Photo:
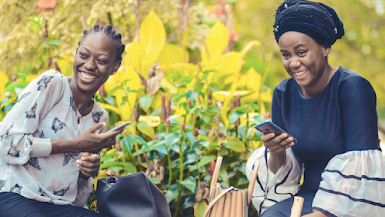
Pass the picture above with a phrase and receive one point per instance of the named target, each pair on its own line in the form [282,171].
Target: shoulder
[48,78]
[352,80]
[352,87]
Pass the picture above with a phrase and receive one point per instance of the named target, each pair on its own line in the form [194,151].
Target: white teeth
[300,73]
[85,75]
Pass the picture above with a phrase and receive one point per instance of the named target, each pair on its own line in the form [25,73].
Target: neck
[323,81]
[83,100]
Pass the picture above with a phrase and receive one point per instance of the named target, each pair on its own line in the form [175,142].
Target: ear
[116,67]
[326,50]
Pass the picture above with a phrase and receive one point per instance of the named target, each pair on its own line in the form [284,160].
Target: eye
[301,53]
[82,55]
[101,61]
[285,55]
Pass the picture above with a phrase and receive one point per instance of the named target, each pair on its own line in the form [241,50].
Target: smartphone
[269,127]
[120,126]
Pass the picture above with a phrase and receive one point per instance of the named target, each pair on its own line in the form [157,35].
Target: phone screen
[120,126]
[269,127]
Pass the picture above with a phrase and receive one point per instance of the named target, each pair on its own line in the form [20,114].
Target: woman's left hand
[89,165]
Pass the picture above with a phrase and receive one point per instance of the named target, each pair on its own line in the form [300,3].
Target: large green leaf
[171,194]
[234,144]
[205,160]
[111,164]
[109,156]
[189,183]
[131,168]
[145,102]
[140,140]
[190,137]
[146,129]
[171,139]
[235,115]
[225,176]
[127,143]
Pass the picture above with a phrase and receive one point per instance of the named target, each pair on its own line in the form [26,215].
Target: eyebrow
[299,46]
[98,54]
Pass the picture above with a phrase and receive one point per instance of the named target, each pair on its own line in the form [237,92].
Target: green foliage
[175,140]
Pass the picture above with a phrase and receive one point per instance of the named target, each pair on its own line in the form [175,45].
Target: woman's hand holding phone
[90,141]
[277,144]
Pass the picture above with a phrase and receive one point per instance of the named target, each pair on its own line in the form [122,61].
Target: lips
[300,73]
[87,75]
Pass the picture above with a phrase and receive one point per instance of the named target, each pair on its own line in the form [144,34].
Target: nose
[294,63]
[90,64]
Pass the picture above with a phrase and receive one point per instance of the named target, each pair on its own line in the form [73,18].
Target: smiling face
[95,61]
[304,60]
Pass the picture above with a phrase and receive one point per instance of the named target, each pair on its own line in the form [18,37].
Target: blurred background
[187,40]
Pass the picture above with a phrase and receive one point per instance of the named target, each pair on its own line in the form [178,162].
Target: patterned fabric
[353,183]
[272,188]
[44,111]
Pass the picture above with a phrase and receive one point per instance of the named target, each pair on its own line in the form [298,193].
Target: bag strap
[252,181]
[214,179]
[212,203]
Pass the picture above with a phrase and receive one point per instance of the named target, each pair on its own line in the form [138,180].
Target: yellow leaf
[110,107]
[171,54]
[153,36]
[153,121]
[253,80]
[249,46]
[135,55]
[185,68]
[222,95]
[146,129]
[134,83]
[3,80]
[216,41]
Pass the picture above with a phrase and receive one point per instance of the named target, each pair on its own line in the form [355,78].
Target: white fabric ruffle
[353,184]
[84,190]
[272,188]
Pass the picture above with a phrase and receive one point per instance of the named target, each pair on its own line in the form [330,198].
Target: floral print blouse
[44,111]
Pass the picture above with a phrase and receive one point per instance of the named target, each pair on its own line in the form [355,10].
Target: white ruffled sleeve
[272,188]
[84,189]
[353,184]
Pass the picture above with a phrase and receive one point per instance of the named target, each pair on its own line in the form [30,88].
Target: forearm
[65,146]
[276,161]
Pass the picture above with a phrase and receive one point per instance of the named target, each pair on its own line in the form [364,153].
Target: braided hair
[114,36]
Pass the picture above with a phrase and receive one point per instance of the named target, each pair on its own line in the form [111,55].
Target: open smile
[87,75]
[301,73]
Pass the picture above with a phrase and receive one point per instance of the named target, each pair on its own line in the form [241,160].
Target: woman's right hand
[277,144]
[89,141]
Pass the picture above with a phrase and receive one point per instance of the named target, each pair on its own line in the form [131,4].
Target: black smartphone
[269,127]
[120,126]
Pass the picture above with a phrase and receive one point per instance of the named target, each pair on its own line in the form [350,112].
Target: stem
[247,128]
[170,167]
[124,162]
[180,176]
[128,101]
[199,176]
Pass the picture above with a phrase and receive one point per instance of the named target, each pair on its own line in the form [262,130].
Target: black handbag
[133,195]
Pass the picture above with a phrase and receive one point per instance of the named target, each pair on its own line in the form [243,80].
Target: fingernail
[77,161]
[104,123]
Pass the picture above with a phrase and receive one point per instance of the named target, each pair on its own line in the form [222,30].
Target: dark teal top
[341,118]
